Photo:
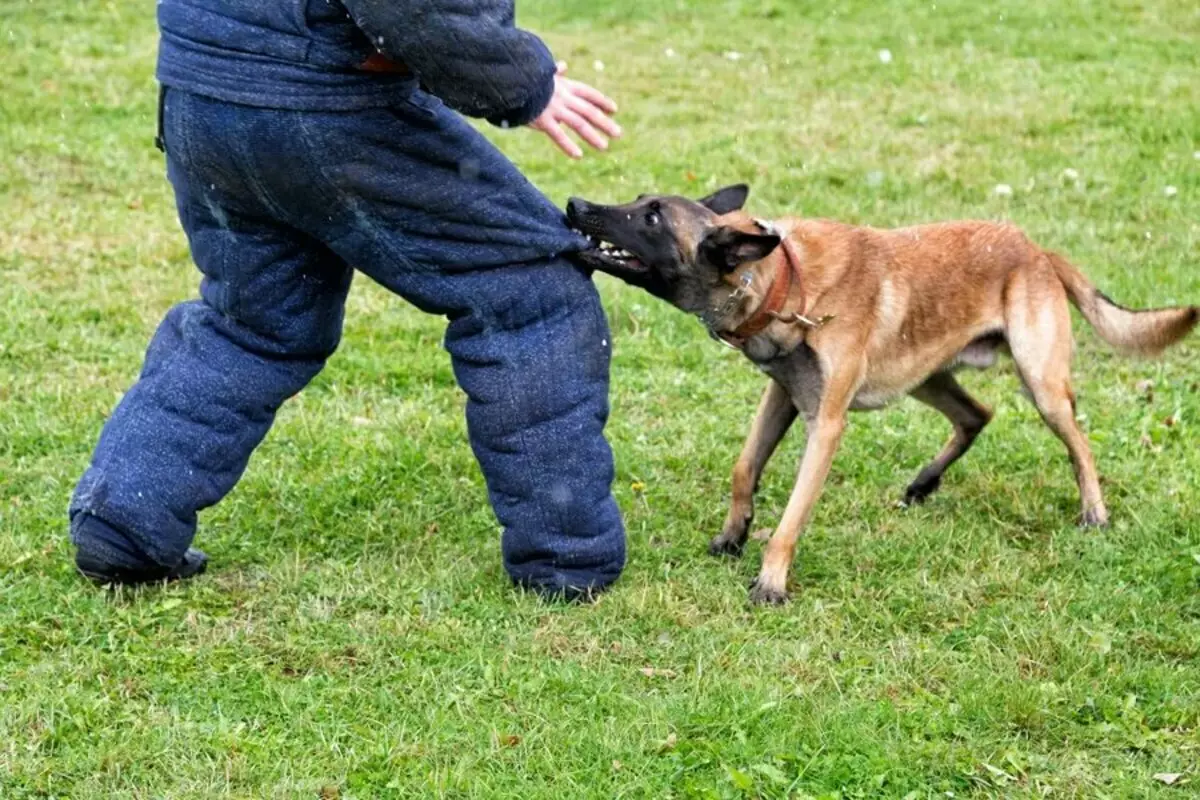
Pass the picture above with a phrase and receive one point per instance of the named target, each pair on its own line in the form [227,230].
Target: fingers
[592,95]
[595,116]
[581,126]
[582,109]
[565,143]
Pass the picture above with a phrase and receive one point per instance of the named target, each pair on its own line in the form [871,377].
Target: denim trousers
[280,208]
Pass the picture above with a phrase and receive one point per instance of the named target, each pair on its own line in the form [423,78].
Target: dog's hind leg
[775,415]
[1039,335]
[966,414]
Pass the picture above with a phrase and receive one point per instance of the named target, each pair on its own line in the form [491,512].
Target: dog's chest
[799,373]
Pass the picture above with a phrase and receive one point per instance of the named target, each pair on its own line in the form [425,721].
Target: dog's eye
[652,219]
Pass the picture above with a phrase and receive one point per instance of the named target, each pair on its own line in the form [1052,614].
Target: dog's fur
[906,308]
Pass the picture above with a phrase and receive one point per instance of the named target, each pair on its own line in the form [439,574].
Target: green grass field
[356,636]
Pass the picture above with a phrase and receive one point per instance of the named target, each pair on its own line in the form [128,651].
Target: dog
[843,317]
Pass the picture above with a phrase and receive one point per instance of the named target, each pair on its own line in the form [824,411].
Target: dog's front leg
[775,415]
[823,439]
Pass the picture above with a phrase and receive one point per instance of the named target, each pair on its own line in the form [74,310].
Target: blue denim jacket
[310,54]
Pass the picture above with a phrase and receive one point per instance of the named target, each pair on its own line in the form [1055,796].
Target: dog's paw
[763,595]
[722,545]
[1094,518]
[920,489]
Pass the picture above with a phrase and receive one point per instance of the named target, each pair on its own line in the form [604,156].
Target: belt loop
[159,142]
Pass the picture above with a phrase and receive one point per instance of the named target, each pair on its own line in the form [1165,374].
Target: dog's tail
[1145,333]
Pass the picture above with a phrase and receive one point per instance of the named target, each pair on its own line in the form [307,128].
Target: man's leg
[533,360]
[215,373]
[424,204]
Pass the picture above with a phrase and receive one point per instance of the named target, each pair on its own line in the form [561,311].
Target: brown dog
[844,318]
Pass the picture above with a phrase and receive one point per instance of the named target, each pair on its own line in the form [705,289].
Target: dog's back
[927,281]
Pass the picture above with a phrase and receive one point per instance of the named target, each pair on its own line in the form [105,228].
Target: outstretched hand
[581,108]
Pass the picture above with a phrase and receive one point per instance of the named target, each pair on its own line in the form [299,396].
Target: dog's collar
[787,273]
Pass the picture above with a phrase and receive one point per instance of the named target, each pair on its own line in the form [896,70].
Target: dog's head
[677,249]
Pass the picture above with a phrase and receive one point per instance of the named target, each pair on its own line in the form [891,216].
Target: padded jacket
[342,55]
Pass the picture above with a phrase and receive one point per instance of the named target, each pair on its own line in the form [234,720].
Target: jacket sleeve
[469,53]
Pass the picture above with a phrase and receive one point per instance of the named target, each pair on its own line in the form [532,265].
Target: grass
[356,637]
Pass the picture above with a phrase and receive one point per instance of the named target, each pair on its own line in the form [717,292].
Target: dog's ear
[722,201]
[729,248]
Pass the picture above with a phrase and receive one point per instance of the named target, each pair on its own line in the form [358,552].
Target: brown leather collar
[378,62]
[787,272]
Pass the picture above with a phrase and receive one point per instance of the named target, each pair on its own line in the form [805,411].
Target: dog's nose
[576,208]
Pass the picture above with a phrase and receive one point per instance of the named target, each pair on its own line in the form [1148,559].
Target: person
[305,139]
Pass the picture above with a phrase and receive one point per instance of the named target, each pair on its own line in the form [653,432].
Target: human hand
[581,108]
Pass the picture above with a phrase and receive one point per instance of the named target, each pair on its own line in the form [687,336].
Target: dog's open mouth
[607,257]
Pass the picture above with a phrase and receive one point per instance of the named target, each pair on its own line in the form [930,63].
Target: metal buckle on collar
[795,318]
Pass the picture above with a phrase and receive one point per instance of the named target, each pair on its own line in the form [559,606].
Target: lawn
[356,636]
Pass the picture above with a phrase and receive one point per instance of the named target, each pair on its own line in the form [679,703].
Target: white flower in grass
[1003,190]
[733,55]
[1071,174]
[1170,191]
[885,56]
[598,65]
[669,52]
